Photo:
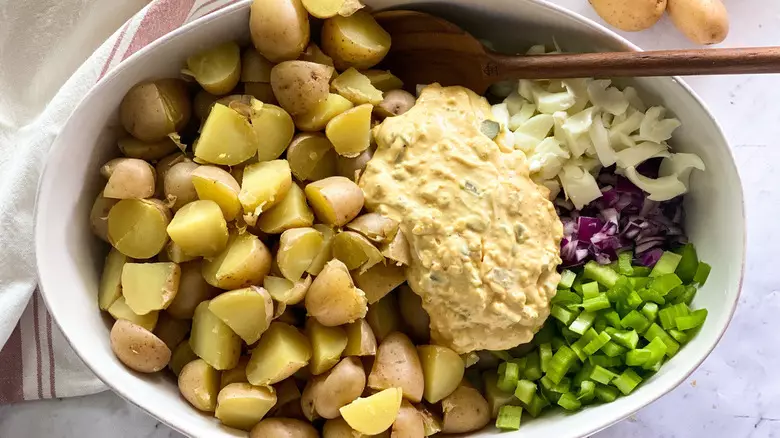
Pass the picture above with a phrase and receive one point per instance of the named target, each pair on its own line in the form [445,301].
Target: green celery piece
[508,373]
[702,272]
[569,335]
[521,363]
[560,364]
[583,322]
[612,317]
[634,300]
[606,394]
[650,294]
[537,405]
[503,355]
[596,344]
[675,293]
[627,381]
[612,349]
[650,310]
[602,274]
[628,339]
[545,356]
[658,351]
[577,285]
[583,374]
[559,388]
[550,395]
[666,264]
[667,315]
[558,342]
[656,366]
[595,303]
[525,391]
[569,402]
[564,297]
[563,315]
[533,368]
[567,279]
[641,271]
[624,263]
[687,296]
[663,284]
[678,336]
[620,290]
[656,332]
[639,282]
[509,417]
[601,375]
[689,262]
[692,321]
[600,323]
[579,346]
[638,357]
[636,321]
[605,361]
[545,334]
[590,290]
[587,391]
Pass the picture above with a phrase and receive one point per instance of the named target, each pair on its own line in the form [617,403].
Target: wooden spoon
[427,49]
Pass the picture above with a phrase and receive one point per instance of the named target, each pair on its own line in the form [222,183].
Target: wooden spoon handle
[753,60]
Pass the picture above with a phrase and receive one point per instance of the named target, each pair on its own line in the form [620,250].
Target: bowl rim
[39,245]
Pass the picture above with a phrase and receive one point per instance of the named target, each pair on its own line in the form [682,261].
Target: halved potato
[343,384]
[227,138]
[281,34]
[286,291]
[379,280]
[199,228]
[120,310]
[138,348]
[283,428]
[150,286]
[254,67]
[136,227]
[213,340]
[350,131]
[291,212]
[152,110]
[297,249]
[311,157]
[333,299]
[193,289]
[174,253]
[171,330]
[236,374]
[326,250]
[384,317]
[319,116]
[150,151]
[128,178]
[360,339]
[264,185]
[374,226]
[397,250]
[214,184]
[443,370]
[163,166]
[398,366]
[98,216]
[281,352]
[242,405]
[244,262]
[352,168]
[357,87]
[409,423]
[395,103]
[355,41]
[177,184]
[247,311]
[199,384]
[327,345]
[181,356]
[110,288]
[300,85]
[314,54]
[329,8]
[383,80]
[465,410]
[356,252]
[373,414]
[274,129]
[335,200]
[217,69]
[310,395]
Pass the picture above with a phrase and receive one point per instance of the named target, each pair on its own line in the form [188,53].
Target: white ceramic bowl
[70,257]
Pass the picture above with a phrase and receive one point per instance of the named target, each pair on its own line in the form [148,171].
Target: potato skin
[300,85]
[283,428]
[398,366]
[279,28]
[333,299]
[138,348]
[465,410]
[701,21]
[343,384]
[152,110]
[630,15]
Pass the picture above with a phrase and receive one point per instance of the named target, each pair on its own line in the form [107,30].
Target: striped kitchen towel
[35,360]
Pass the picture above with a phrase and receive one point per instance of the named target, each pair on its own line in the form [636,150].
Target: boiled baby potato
[384,317]
[415,317]
[350,131]
[120,310]
[152,110]
[193,290]
[181,356]
[313,53]
[128,178]
[281,352]
[279,28]
[171,330]
[398,366]
[317,119]
[150,286]
[264,185]
[343,384]
[297,249]
[291,212]
[244,262]
[178,185]
[98,215]
[247,311]
[443,370]
[110,288]
[311,392]
[286,392]
[283,428]
[335,200]
[199,229]
[333,299]
[374,226]
[326,250]
[395,103]
[311,157]
[213,340]
[226,138]
[373,414]
[199,384]
[285,291]
[329,8]
[397,250]
[355,41]
[214,184]
[217,69]
[383,80]
[163,166]
[701,21]
[356,87]
[131,147]
[242,405]
[352,167]
[254,67]
[327,344]
[174,253]
[261,91]
[379,280]
[356,251]
[408,423]
[274,129]
[138,348]
[234,375]
[300,85]
[360,339]
[431,421]
[465,410]
[630,16]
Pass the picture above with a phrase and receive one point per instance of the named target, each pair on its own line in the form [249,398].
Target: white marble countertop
[733,394]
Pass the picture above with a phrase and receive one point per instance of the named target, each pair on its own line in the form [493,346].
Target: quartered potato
[322,113]
[416,319]
[285,291]
[283,428]
[120,310]
[326,250]
[244,262]
[264,185]
[291,212]
[355,41]
[395,103]
[279,28]
[163,166]
[397,250]
[356,87]
[247,311]
[234,375]
[138,348]
[300,85]
[398,366]
[226,138]
[181,356]
[352,168]
[152,110]
[408,423]
[327,344]
[443,370]
[199,384]
[350,131]
[311,157]
[193,290]
[281,352]
[333,299]
[360,339]
[375,227]
[379,280]
[199,229]
[217,69]
[98,215]
[214,184]
[274,129]
[177,184]
[128,178]
[335,200]
[383,80]
[171,330]
[356,252]
[242,405]
[465,410]
[150,286]
[313,53]
[373,414]
[131,147]
[329,8]
[311,392]
[213,340]
[343,384]
[297,249]
[110,288]
[174,253]
[254,67]
[384,317]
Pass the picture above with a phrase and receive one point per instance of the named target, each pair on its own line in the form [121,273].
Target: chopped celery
[628,339]
[695,319]
[641,271]
[624,263]
[702,272]
[579,347]
[560,364]
[620,290]
[583,374]
[509,417]
[649,294]
[545,334]
[636,321]
[612,349]
[601,375]
[627,381]
[600,324]
[597,302]
[583,322]
[590,290]
[602,274]
[569,335]
[577,285]
[569,402]
[612,318]
[667,315]
[533,368]
[639,282]
[557,343]
[508,373]
[596,344]
[521,363]
[605,361]
[525,391]
[687,296]
[559,387]
[567,279]
[666,264]
[562,315]
[633,300]
[503,355]
[587,391]
[657,350]
[678,336]
[565,297]
[689,262]
[656,332]
[537,405]
[545,356]
[606,394]
[650,310]
[675,293]
[665,283]
[638,357]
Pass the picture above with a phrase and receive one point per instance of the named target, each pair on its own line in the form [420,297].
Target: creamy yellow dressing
[483,237]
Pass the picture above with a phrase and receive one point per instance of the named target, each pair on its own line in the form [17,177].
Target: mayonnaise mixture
[484,238]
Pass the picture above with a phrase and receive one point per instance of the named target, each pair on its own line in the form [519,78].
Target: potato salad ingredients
[702,21]
[630,15]
[151,111]
[138,348]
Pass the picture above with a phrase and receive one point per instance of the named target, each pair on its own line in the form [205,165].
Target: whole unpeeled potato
[279,28]
[702,21]
[630,15]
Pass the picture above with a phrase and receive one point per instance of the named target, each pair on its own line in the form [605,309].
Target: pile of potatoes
[246,264]
[701,21]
